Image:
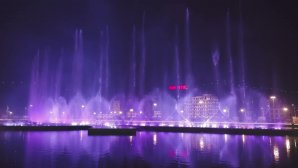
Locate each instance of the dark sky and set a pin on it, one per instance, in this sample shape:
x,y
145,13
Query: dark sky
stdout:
x,y
270,38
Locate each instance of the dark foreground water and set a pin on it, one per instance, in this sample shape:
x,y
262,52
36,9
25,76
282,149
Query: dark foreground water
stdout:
x,y
147,149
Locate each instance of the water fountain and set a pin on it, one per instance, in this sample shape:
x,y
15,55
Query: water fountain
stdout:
x,y
55,100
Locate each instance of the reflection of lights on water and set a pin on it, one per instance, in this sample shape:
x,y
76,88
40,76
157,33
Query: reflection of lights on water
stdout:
x,y
154,104
270,141
243,138
81,135
131,110
226,137
288,147
83,106
275,153
130,139
154,139
202,145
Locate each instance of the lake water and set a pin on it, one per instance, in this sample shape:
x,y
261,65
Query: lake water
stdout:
x,y
146,149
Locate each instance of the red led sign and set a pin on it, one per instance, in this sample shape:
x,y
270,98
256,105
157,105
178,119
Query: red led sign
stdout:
x,y
178,87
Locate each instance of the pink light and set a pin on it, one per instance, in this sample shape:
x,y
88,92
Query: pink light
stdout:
x,y
178,87
172,87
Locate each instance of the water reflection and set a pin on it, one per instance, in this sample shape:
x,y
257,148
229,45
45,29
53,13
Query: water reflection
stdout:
x,y
276,153
146,149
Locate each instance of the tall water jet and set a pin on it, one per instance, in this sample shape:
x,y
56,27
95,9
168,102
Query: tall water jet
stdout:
x,y
107,73
77,66
229,54
231,100
39,89
34,89
243,101
132,82
188,67
177,63
104,63
215,61
103,71
57,81
101,59
143,58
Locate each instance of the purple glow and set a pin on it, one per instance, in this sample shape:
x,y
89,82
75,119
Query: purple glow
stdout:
x,y
239,107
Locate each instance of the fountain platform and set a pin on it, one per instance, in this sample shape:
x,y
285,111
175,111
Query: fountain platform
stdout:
x,y
112,131
236,131
44,128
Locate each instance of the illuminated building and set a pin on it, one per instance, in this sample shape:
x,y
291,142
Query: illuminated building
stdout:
x,y
131,113
202,107
156,111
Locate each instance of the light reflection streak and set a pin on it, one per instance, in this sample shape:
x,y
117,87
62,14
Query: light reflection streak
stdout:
x,y
226,138
243,138
154,139
288,146
276,153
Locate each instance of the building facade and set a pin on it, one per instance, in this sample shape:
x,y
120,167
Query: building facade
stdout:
x,y
201,107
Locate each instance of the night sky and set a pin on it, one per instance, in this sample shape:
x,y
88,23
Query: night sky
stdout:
x,y
270,38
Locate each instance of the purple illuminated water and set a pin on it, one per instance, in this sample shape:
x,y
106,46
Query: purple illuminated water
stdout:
x,y
146,149
58,91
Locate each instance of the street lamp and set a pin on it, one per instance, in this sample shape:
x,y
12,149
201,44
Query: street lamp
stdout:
x,y
273,97
285,109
